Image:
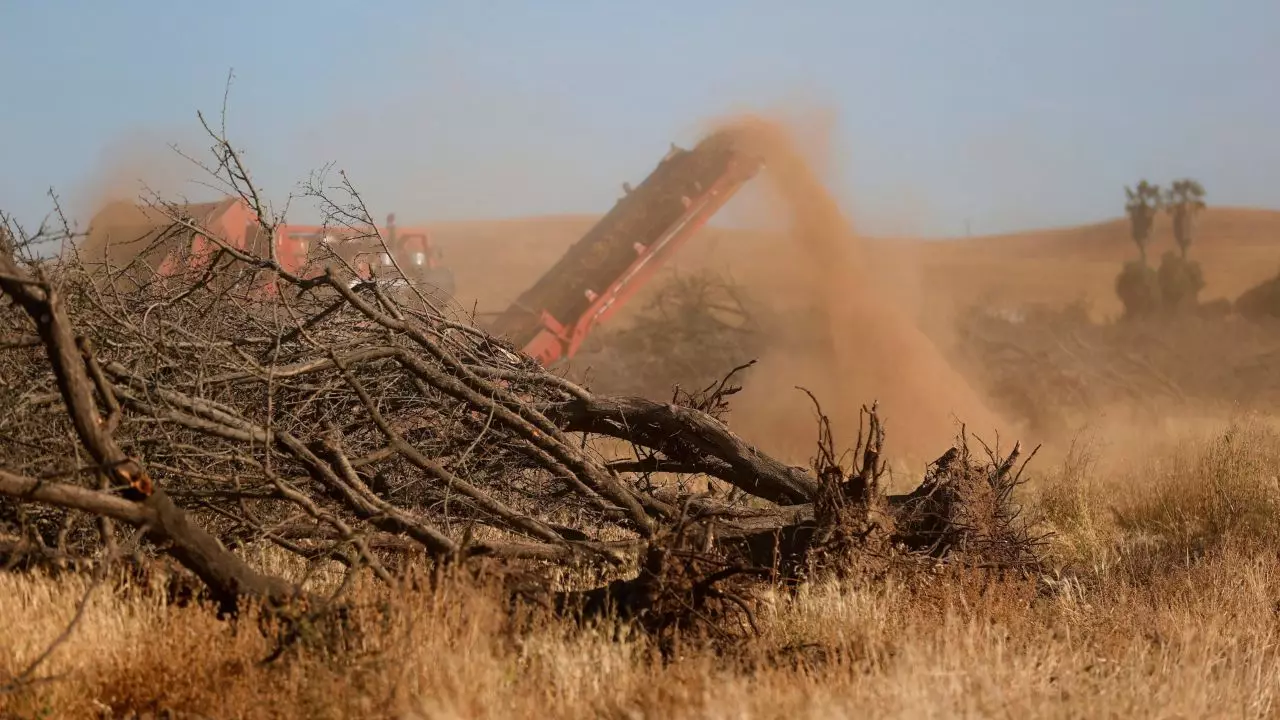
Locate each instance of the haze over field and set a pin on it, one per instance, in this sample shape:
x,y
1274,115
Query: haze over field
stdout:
x,y
924,282
1056,265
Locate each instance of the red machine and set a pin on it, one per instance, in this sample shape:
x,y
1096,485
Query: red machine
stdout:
x,y
600,272
122,231
420,260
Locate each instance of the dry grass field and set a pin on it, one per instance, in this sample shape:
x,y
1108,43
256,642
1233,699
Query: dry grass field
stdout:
x,y
1164,604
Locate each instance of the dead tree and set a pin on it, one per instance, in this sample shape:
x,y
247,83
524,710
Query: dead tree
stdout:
x,y
343,417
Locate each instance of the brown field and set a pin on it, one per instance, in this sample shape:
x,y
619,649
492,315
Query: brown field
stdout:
x,y
1238,247
1159,595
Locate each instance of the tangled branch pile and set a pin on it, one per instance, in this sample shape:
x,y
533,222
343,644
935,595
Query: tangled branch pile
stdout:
x,y
233,403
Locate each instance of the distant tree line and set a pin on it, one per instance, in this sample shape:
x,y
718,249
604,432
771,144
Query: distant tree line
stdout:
x,y
1174,287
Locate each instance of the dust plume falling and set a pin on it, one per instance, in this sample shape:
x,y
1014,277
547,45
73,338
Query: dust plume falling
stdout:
x,y
856,344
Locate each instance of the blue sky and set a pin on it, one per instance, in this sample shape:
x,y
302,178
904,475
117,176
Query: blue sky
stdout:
x,y
999,114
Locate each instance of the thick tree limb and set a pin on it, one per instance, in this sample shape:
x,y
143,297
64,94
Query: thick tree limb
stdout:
x,y
690,438
227,576
73,497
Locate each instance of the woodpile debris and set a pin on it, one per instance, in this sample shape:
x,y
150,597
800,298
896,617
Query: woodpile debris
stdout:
x,y
344,420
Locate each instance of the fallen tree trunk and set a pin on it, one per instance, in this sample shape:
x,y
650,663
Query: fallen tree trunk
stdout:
x,y
229,579
690,437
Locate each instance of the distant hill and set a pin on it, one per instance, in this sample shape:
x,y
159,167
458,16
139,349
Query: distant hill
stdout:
x,y
1238,247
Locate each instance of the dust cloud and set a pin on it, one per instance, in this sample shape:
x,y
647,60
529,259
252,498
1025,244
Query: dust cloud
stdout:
x,y
849,340
136,164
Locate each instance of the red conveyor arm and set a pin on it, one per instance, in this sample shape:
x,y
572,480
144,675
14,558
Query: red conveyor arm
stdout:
x,y
620,253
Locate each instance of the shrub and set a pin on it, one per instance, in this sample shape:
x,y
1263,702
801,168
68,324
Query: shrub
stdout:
x,y
1260,301
1180,281
1139,289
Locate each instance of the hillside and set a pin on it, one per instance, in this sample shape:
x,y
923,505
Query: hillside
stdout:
x,y
494,261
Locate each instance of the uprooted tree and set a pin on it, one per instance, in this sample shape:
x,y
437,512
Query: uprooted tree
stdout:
x,y
343,418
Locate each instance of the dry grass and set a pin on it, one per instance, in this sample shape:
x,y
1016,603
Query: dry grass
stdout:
x,y
1165,606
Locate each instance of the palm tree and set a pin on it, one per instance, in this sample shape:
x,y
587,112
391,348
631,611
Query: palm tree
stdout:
x,y
1143,204
1184,200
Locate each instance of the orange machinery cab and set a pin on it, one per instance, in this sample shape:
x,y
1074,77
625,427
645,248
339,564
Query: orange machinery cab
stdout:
x,y
420,261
